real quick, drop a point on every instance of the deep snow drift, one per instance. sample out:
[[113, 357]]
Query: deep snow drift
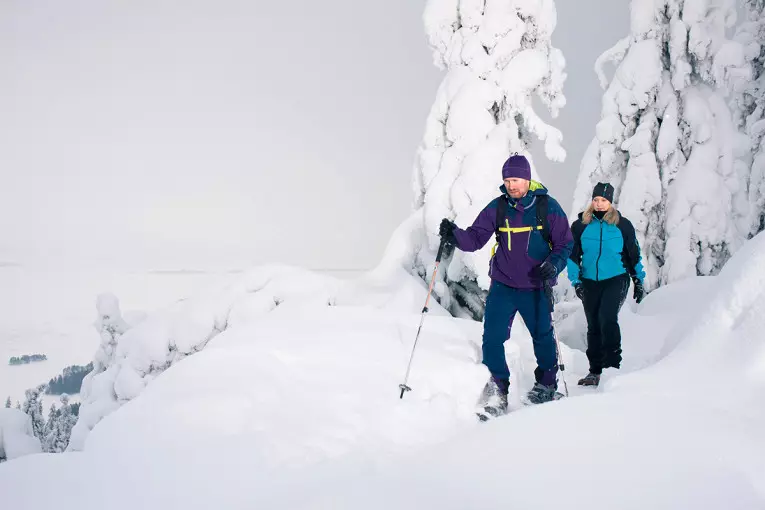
[[16, 436], [294, 404]]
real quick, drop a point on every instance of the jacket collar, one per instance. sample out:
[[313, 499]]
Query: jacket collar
[[535, 189]]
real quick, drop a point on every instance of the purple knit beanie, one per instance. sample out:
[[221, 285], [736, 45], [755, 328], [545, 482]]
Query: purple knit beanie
[[516, 166]]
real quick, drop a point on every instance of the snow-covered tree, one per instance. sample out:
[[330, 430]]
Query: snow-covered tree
[[8, 403], [51, 429], [666, 136], [33, 407], [749, 115], [67, 421], [498, 56], [111, 326], [58, 429]]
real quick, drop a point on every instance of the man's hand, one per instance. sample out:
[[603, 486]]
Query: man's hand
[[579, 289], [639, 292], [546, 271], [446, 231]]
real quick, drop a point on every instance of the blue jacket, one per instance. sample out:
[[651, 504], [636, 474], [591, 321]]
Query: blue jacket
[[604, 250]]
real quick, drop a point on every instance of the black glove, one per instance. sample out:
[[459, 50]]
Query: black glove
[[446, 230], [639, 292], [579, 289], [546, 271]]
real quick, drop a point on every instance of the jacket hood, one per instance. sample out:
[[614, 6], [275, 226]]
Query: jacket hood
[[611, 217]]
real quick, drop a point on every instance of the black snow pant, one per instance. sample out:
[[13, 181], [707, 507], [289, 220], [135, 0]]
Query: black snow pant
[[602, 302]]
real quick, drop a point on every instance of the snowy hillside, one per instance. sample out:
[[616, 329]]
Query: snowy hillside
[[294, 404]]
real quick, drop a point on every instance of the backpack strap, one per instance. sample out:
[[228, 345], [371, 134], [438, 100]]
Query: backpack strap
[[541, 216], [541, 210], [577, 228], [499, 222], [501, 214]]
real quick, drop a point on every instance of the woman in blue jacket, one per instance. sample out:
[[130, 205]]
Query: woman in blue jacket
[[606, 255]]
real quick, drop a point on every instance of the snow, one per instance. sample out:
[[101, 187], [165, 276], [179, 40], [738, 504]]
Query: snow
[[16, 435], [296, 405], [747, 105]]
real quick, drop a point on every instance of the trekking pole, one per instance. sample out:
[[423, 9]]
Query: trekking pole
[[404, 387], [561, 365]]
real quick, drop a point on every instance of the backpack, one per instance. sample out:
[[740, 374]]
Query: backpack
[[541, 215]]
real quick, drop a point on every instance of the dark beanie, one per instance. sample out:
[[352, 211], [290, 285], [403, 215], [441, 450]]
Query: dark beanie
[[518, 167], [605, 190]]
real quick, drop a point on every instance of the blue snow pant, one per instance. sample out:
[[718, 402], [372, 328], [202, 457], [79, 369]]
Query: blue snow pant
[[501, 305]]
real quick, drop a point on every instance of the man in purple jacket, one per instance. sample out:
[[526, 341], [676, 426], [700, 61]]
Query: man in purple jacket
[[528, 255]]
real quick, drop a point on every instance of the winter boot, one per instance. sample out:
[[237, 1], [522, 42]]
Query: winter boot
[[493, 400], [540, 394], [590, 380]]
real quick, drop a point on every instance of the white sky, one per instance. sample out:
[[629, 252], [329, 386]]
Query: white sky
[[182, 133]]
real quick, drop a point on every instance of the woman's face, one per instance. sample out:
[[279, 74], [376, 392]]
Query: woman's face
[[601, 204]]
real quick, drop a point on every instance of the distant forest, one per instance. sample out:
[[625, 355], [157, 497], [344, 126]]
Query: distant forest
[[27, 358], [70, 381]]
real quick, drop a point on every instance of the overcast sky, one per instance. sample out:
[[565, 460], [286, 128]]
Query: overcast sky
[[184, 133]]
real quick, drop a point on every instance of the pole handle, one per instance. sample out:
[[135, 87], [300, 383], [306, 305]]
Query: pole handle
[[441, 248], [549, 295]]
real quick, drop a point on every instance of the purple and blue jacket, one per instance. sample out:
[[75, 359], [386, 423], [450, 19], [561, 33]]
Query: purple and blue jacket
[[521, 248]]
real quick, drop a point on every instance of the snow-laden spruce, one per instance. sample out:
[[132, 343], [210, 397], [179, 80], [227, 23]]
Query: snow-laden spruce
[[665, 140], [100, 392], [749, 116], [32, 407], [498, 56]]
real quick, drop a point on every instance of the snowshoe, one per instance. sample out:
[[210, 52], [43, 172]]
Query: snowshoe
[[494, 409], [540, 394], [590, 380], [493, 400]]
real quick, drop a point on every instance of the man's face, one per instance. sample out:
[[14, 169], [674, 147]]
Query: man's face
[[601, 204], [516, 187]]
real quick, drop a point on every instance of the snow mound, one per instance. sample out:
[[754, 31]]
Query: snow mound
[[718, 355], [16, 435], [132, 355]]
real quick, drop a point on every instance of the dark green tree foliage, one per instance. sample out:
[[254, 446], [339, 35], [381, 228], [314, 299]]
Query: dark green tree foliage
[[49, 433], [27, 358], [70, 381]]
